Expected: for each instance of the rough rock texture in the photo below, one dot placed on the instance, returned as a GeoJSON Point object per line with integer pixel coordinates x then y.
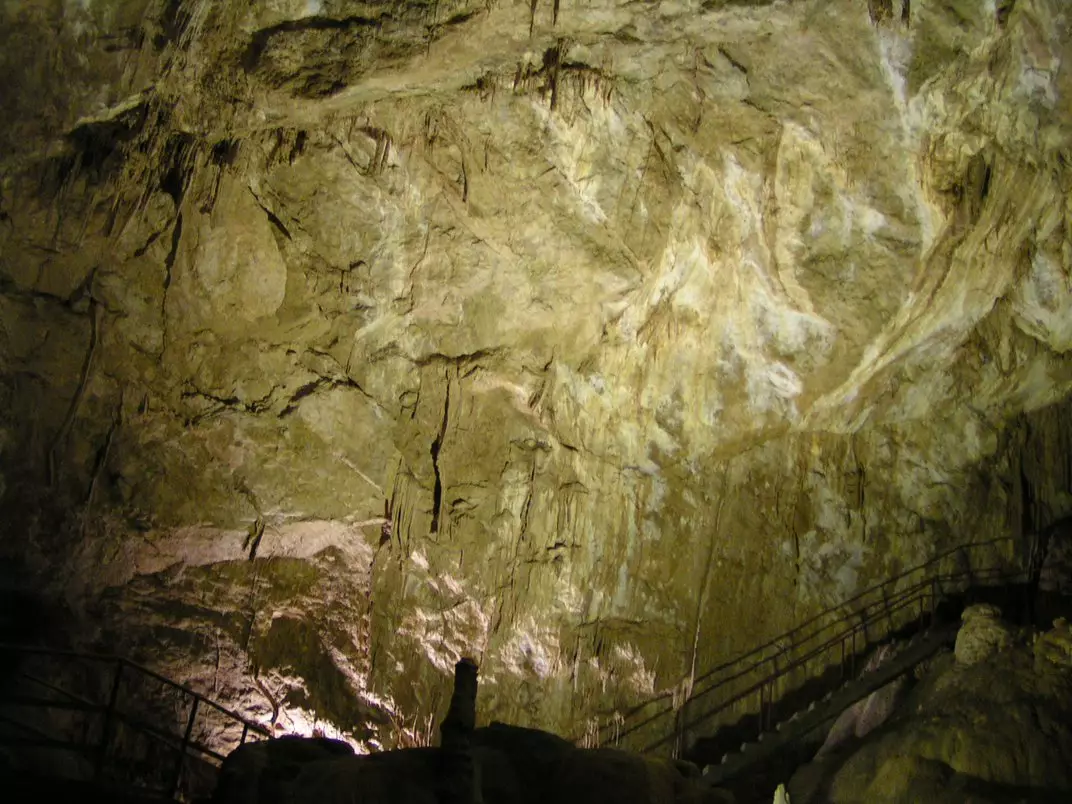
{"type": "Point", "coordinates": [999, 730]}
{"type": "Point", "coordinates": [1053, 649]}
{"type": "Point", "coordinates": [653, 328]}
{"type": "Point", "coordinates": [982, 634]}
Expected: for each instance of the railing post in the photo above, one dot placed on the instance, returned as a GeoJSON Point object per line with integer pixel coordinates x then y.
{"type": "Point", "coordinates": [109, 714]}
{"type": "Point", "coordinates": [679, 731]}
{"type": "Point", "coordinates": [934, 598]}
{"type": "Point", "coordinates": [177, 780]}
{"type": "Point", "coordinates": [245, 733]}
{"type": "Point", "coordinates": [770, 704]}
{"type": "Point", "coordinates": [852, 655]}
{"type": "Point", "coordinates": [762, 706]}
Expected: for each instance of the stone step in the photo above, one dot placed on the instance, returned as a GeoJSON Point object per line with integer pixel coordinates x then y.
{"type": "Point", "coordinates": [832, 705]}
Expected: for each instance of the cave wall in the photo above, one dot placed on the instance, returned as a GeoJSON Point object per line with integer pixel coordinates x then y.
{"type": "Point", "coordinates": [600, 341]}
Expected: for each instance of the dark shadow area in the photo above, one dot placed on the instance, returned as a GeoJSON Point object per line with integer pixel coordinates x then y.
{"type": "Point", "coordinates": [22, 788]}
{"type": "Point", "coordinates": [27, 617]}
{"type": "Point", "coordinates": [114, 729]}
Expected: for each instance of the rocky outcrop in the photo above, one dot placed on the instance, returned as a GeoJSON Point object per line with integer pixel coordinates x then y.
{"type": "Point", "coordinates": [995, 730]}
{"type": "Point", "coordinates": [982, 634]}
{"type": "Point", "coordinates": [651, 328]}
{"type": "Point", "coordinates": [512, 765]}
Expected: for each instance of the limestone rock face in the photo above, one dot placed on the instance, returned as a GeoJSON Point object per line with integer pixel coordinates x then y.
{"type": "Point", "coordinates": [600, 341]}
{"type": "Point", "coordinates": [982, 634]}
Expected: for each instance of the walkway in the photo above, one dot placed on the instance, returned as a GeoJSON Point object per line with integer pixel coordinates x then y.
{"type": "Point", "coordinates": [800, 725]}
{"type": "Point", "coordinates": [740, 699]}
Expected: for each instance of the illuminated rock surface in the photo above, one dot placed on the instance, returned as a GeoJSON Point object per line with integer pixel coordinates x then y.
{"type": "Point", "coordinates": [994, 731]}
{"type": "Point", "coordinates": [656, 327]}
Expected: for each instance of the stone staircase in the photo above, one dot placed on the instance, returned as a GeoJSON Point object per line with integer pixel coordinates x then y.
{"type": "Point", "coordinates": [805, 678]}
{"type": "Point", "coordinates": [801, 724]}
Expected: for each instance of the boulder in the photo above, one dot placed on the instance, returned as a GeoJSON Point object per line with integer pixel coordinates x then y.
{"type": "Point", "coordinates": [982, 634]}
{"type": "Point", "coordinates": [254, 772]}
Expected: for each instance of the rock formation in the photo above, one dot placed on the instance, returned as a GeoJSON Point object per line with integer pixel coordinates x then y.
{"type": "Point", "coordinates": [869, 713]}
{"type": "Point", "coordinates": [654, 328]}
{"type": "Point", "coordinates": [1053, 649]}
{"type": "Point", "coordinates": [982, 634]}
{"type": "Point", "coordinates": [996, 730]}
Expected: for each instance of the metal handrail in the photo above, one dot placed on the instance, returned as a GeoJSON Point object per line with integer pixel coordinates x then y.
{"type": "Point", "coordinates": [106, 658]}
{"type": "Point", "coordinates": [838, 638]}
{"type": "Point", "coordinates": [853, 617]}
{"type": "Point", "coordinates": [799, 662]}
{"type": "Point", "coordinates": [183, 745]}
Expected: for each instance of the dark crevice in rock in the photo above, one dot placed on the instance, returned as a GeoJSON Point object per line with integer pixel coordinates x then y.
{"type": "Point", "coordinates": [273, 218]}
{"type": "Point", "coordinates": [527, 507]}
{"type": "Point", "coordinates": [463, 17]}
{"type": "Point", "coordinates": [177, 156]}
{"type": "Point", "coordinates": [459, 360]}
{"type": "Point", "coordinates": [973, 191]}
{"type": "Point", "coordinates": [169, 261]}
{"type": "Point", "coordinates": [330, 383]}
{"type": "Point", "coordinates": [308, 389]}
{"type": "Point", "coordinates": [299, 146]}
{"type": "Point", "coordinates": [141, 250]}
{"type": "Point", "coordinates": [225, 401]}
{"type": "Point", "coordinates": [218, 404]}
{"type": "Point", "coordinates": [224, 153]}
{"type": "Point", "coordinates": [437, 445]}
{"type": "Point", "coordinates": [734, 62]}
{"type": "Point", "coordinates": [1002, 11]}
